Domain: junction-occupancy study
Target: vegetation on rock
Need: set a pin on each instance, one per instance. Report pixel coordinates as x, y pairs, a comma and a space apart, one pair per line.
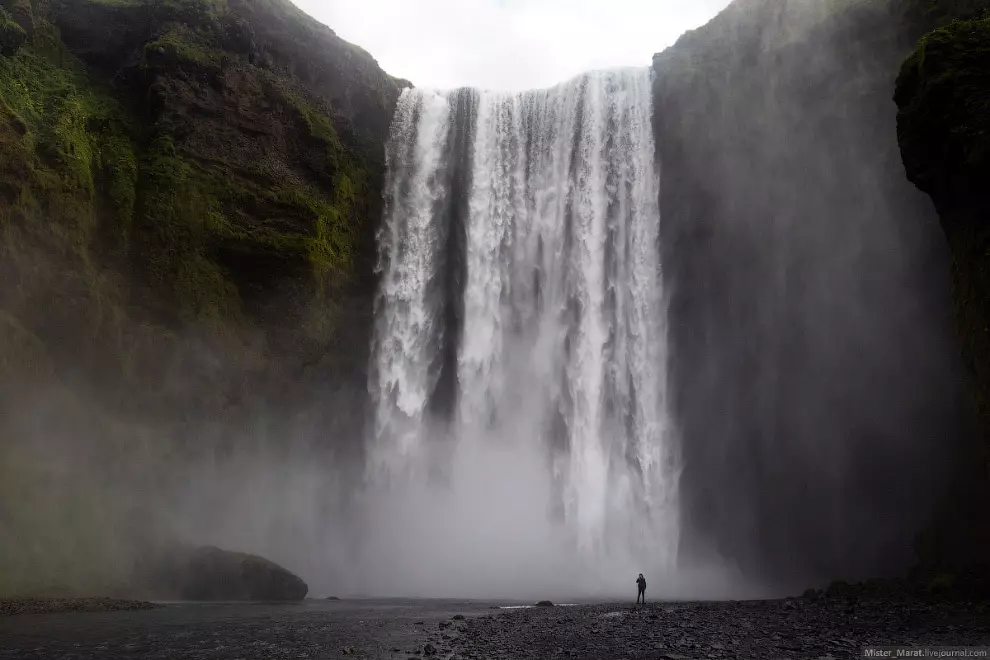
12, 35
178, 179
943, 98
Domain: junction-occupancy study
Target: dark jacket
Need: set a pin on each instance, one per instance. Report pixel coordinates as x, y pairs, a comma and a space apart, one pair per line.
642, 583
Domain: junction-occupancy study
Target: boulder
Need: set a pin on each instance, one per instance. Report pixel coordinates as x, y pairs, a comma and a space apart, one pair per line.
211, 574
840, 589
544, 603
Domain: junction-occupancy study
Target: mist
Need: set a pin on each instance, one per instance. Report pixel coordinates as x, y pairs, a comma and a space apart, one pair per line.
690, 322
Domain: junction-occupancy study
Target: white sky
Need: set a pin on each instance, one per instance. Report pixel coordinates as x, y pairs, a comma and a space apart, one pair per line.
509, 44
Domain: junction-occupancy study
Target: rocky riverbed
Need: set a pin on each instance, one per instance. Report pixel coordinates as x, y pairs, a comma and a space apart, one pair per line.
830, 628
795, 628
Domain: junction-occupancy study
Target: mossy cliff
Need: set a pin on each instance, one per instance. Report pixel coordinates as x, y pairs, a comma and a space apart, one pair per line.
812, 360
189, 193
943, 126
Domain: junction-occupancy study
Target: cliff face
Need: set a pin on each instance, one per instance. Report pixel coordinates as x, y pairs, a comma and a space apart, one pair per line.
812, 358
189, 167
943, 96
189, 194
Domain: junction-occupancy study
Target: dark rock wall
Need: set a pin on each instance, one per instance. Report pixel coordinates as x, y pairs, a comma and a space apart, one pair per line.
943, 96
189, 196
813, 366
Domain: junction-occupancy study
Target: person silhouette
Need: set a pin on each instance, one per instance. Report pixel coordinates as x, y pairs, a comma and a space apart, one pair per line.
641, 594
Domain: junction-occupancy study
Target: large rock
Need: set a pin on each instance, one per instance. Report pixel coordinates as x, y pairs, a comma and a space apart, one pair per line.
943, 127
209, 573
801, 269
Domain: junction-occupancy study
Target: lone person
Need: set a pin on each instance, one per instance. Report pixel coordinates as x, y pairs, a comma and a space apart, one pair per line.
641, 584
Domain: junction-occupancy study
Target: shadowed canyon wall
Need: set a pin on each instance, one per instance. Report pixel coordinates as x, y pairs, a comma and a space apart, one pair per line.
943, 97
813, 365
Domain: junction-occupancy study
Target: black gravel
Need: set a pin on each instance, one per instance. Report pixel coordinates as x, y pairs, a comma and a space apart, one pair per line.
826, 628
399, 630
311, 630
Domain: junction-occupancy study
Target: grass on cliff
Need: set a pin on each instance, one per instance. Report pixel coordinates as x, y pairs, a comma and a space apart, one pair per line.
943, 94
66, 138
67, 180
73, 169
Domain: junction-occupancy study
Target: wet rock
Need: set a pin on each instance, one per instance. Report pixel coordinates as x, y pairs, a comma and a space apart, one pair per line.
212, 574
544, 603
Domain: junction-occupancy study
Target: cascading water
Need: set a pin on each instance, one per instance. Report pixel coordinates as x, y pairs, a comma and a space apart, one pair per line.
519, 362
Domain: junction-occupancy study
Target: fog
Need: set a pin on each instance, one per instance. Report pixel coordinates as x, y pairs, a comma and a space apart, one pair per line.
83, 512
803, 366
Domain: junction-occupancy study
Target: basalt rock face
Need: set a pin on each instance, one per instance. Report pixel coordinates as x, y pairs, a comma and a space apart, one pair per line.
943, 97
812, 358
189, 196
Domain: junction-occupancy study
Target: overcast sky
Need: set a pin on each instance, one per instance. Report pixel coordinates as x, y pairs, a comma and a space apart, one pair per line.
509, 44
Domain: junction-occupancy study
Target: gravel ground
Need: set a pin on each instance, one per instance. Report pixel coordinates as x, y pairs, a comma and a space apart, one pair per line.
825, 628
400, 630
311, 630
12, 606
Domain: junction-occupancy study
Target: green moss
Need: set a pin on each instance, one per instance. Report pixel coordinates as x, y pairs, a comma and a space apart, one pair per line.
943, 98
190, 12
205, 292
934, 13
12, 35
71, 139
118, 163
23, 356
178, 214
76, 168
318, 122
943, 93
181, 45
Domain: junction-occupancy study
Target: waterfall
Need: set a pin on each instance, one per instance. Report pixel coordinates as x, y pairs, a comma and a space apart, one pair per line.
520, 338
